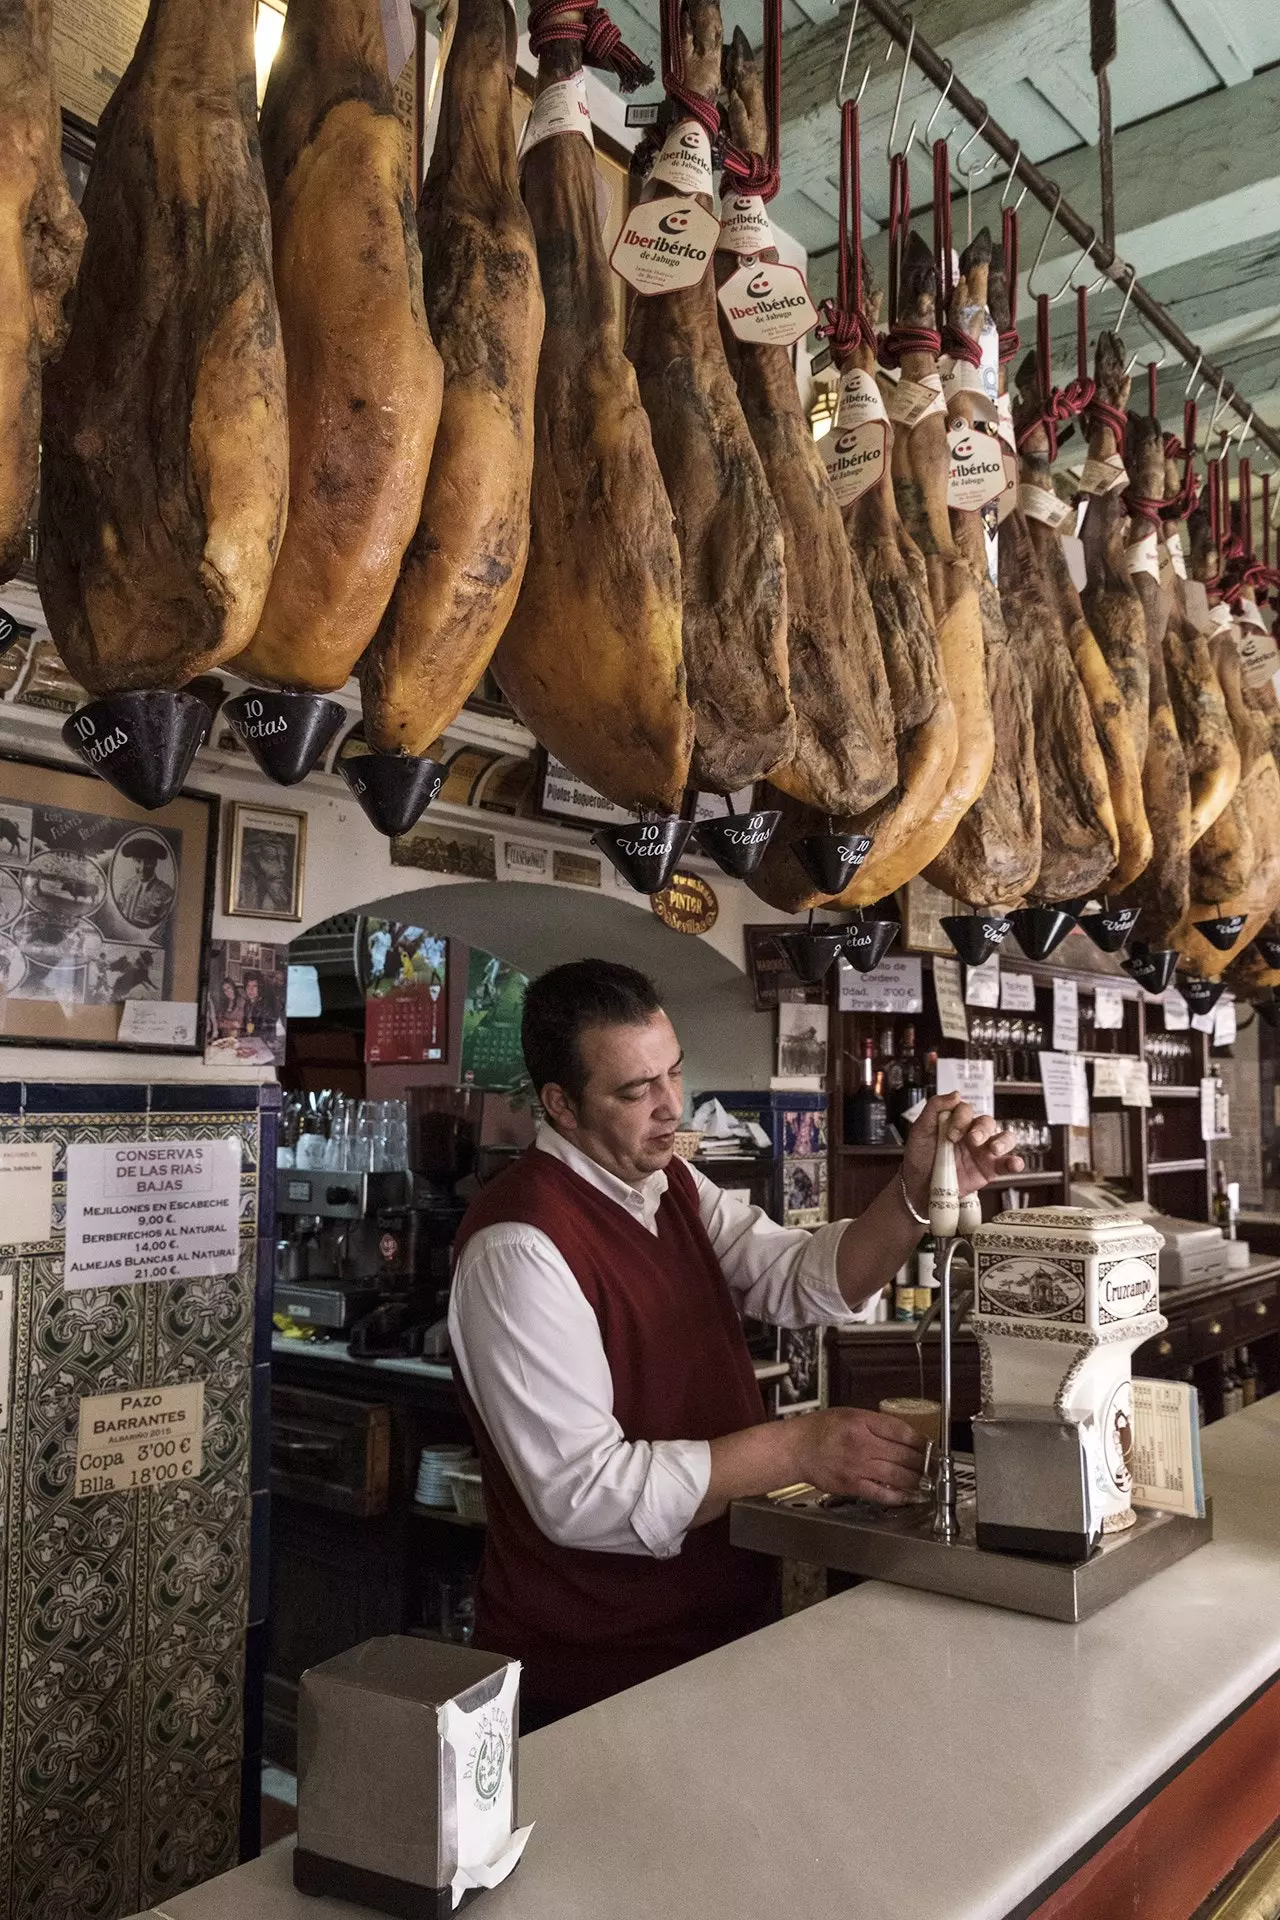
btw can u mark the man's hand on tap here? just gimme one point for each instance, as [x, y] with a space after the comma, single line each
[984, 1149]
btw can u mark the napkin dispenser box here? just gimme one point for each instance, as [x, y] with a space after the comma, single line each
[1034, 1471]
[389, 1808]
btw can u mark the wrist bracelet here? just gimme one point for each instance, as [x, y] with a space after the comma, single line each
[921, 1219]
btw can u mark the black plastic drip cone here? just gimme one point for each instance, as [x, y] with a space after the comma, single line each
[394, 789]
[645, 852]
[1152, 968]
[1202, 996]
[831, 859]
[142, 744]
[1074, 907]
[1222, 933]
[286, 733]
[737, 842]
[866, 942]
[811, 952]
[1040, 930]
[1109, 929]
[975, 936]
[1268, 945]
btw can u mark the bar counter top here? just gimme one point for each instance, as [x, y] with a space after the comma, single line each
[887, 1754]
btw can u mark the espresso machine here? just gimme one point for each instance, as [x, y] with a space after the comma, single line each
[1039, 1518]
[367, 1256]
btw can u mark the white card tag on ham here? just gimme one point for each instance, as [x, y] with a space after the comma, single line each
[1073, 549]
[1103, 476]
[907, 402]
[1259, 654]
[854, 451]
[1220, 620]
[665, 245]
[559, 108]
[685, 160]
[1043, 504]
[397, 31]
[975, 467]
[1144, 555]
[1004, 417]
[1250, 615]
[744, 224]
[1173, 547]
[767, 303]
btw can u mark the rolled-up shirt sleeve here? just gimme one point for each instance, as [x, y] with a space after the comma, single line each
[785, 1276]
[528, 1347]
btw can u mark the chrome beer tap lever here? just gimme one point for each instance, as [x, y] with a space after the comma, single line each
[951, 1221]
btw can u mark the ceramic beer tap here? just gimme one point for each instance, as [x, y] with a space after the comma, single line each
[951, 1222]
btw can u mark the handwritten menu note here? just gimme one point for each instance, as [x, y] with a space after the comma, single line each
[975, 1080]
[1066, 1016]
[1108, 1009]
[1017, 992]
[1066, 1090]
[892, 987]
[952, 1017]
[1165, 1461]
[982, 984]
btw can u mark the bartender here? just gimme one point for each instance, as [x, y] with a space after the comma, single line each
[595, 1324]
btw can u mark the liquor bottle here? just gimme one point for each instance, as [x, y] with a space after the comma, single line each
[931, 1074]
[1247, 1368]
[864, 1116]
[912, 1066]
[1232, 1392]
[904, 1294]
[926, 1255]
[889, 1077]
[1221, 1199]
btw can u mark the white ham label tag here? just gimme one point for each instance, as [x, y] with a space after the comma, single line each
[665, 245]
[1004, 419]
[855, 449]
[1173, 547]
[1043, 504]
[1250, 615]
[1144, 555]
[982, 381]
[397, 31]
[1073, 550]
[769, 303]
[1259, 654]
[559, 108]
[1220, 620]
[744, 224]
[1103, 476]
[685, 160]
[975, 467]
[907, 402]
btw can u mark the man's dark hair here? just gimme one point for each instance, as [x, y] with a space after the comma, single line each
[561, 1004]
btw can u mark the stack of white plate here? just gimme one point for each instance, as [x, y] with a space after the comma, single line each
[434, 1468]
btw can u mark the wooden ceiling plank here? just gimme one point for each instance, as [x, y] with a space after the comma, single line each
[1218, 29]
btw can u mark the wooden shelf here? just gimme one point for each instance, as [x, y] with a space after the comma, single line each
[1177, 1166]
[1175, 1093]
[874, 1153]
[1019, 1086]
[1050, 1178]
[450, 1515]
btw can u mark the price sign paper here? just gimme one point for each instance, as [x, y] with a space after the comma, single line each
[946, 988]
[892, 987]
[1108, 1009]
[982, 984]
[1137, 1084]
[1017, 993]
[975, 1080]
[143, 1437]
[26, 1192]
[1177, 1018]
[1224, 1022]
[1109, 1078]
[1066, 1091]
[1066, 1016]
[151, 1210]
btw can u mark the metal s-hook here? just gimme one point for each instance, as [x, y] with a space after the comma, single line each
[1010, 177]
[1133, 275]
[1246, 428]
[1217, 410]
[1075, 265]
[942, 101]
[902, 87]
[1044, 241]
[844, 64]
[1186, 391]
[969, 142]
[1133, 358]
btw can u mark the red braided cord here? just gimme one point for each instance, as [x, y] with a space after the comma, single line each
[552, 21]
[1212, 477]
[1245, 473]
[960, 346]
[705, 112]
[1187, 496]
[1082, 333]
[844, 323]
[903, 340]
[1060, 404]
[1266, 519]
[899, 222]
[1143, 509]
[1103, 414]
[1152, 408]
[1010, 341]
[755, 172]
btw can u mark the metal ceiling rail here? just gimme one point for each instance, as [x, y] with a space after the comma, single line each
[939, 73]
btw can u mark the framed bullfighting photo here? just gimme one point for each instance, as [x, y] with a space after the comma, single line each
[100, 904]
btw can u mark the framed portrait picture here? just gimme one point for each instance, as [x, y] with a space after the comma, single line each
[100, 904]
[266, 862]
[923, 909]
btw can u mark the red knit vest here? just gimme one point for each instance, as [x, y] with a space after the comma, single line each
[587, 1624]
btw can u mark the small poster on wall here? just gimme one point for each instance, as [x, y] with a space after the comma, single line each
[802, 1042]
[244, 1016]
[405, 971]
[491, 1052]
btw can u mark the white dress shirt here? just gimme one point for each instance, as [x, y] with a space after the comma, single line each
[528, 1347]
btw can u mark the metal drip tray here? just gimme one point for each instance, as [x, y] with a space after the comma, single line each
[897, 1545]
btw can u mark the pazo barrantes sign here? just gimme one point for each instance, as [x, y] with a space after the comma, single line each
[687, 904]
